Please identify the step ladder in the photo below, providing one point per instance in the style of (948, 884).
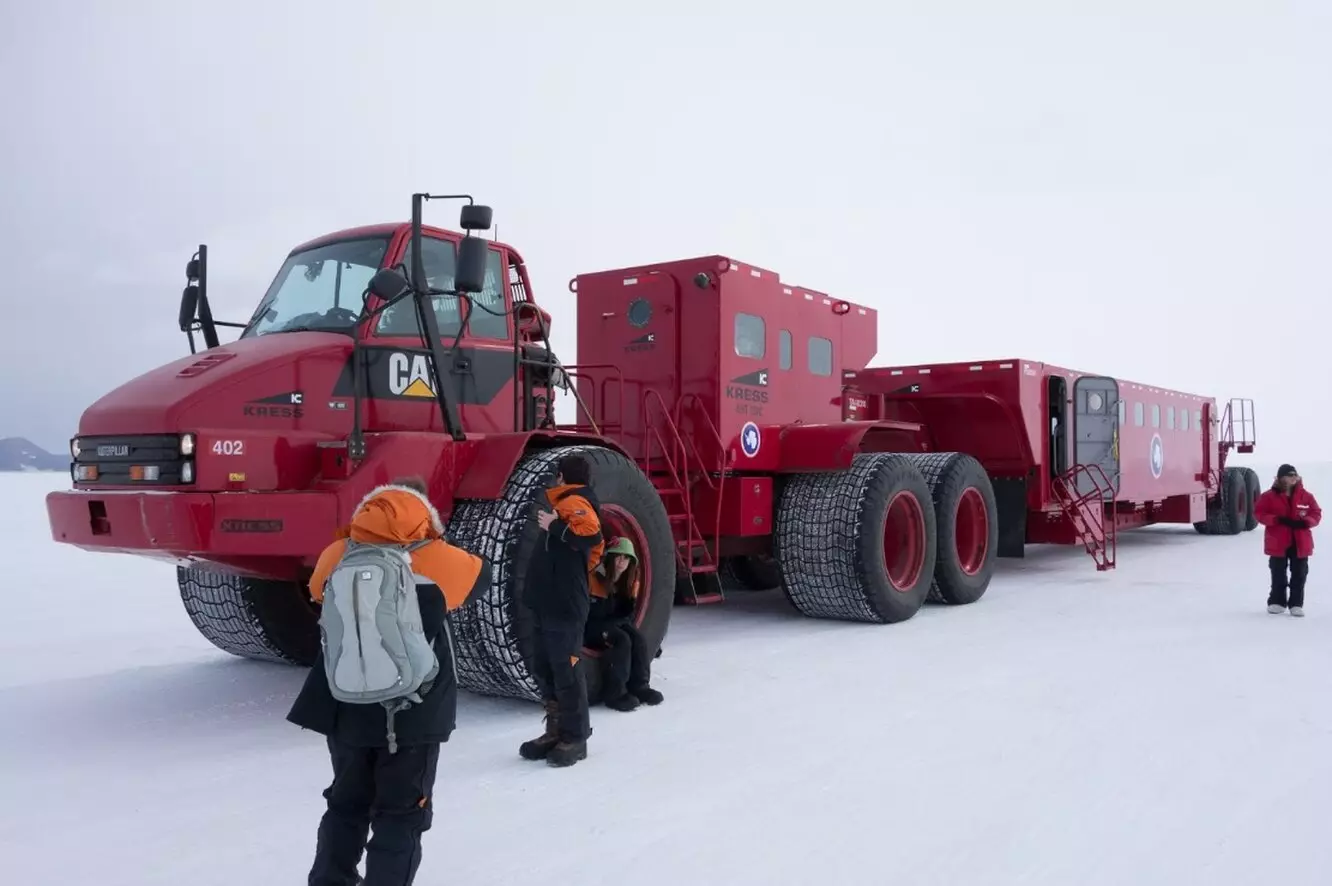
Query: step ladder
(698, 581)
(1086, 511)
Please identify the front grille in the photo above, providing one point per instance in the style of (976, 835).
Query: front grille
(116, 456)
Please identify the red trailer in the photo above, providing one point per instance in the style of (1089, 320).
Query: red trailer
(735, 432)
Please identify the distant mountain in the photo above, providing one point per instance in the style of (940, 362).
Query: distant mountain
(17, 454)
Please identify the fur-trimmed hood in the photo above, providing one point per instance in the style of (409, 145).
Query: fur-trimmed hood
(395, 514)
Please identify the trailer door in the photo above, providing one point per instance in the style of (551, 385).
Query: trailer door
(1096, 428)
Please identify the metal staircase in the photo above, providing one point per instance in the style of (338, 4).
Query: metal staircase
(1086, 511)
(678, 471)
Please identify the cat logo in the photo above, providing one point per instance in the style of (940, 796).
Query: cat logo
(409, 375)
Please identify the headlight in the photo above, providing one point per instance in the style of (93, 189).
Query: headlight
(74, 448)
(187, 472)
(187, 444)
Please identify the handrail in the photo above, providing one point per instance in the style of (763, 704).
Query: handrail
(1065, 486)
(727, 455)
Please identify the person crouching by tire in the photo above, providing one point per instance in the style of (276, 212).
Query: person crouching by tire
(626, 662)
(1289, 512)
(556, 593)
(375, 784)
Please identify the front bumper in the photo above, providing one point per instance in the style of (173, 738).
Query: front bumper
(221, 526)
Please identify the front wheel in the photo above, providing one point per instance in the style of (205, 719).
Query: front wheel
(493, 630)
(253, 618)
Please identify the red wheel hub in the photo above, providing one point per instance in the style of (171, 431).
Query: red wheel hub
(971, 531)
(904, 541)
(619, 522)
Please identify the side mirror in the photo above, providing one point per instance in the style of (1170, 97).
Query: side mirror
(192, 270)
(189, 306)
(387, 283)
(475, 217)
(473, 252)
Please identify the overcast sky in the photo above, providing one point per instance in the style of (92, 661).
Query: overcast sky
(1141, 189)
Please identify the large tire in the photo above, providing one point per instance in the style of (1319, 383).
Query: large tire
(967, 517)
(493, 631)
(1254, 488)
(858, 545)
(750, 572)
(1234, 501)
(252, 617)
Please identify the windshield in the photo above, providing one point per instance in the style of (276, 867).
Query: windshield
(319, 288)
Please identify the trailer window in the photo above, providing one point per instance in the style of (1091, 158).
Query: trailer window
(784, 349)
(1156, 415)
(1137, 414)
(1170, 418)
(318, 288)
(750, 336)
(1197, 419)
(1123, 412)
(820, 356)
(1183, 419)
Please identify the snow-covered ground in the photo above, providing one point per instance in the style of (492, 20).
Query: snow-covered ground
(1149, 725)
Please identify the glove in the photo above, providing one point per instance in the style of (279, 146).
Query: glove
(1293, 523)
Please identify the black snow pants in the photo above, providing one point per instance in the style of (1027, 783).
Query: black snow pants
(1299, 571)
(558, 644)
(626, 663)
(392, 792)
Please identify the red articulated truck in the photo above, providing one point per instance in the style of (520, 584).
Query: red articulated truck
(735, 432)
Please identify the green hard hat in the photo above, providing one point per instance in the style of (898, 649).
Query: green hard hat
(621, 545)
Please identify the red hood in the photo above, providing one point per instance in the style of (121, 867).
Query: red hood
(214, 388)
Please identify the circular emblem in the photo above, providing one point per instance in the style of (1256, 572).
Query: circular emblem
(1158, 456)
(750, 441)
(639, 313)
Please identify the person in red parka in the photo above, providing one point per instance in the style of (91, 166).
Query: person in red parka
(1289, 512)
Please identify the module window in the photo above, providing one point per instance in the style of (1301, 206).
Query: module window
(1170, 418)
(820, 356)
(1123, 412)
(1156, 415)
(1137, 414)
(750, 336)
(1183, 419)
(784, 349)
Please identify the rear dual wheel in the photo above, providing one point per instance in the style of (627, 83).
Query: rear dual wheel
(874, 542)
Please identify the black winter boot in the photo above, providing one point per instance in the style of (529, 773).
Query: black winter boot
(567, 753)
(539, 748)
(624, 704)
(647, 695)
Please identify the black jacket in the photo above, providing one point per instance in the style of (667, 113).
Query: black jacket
(366, 725)
(556, 583)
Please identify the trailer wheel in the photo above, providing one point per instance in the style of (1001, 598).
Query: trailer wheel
(493, 631)
(750, 572)
(858, 545)
(1234, 501)
(967, 517)
(251, 617)
(1253, 486)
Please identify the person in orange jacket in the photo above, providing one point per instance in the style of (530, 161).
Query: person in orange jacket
(1289, 512)
(626, 662)
(371, 786)
(555, 591)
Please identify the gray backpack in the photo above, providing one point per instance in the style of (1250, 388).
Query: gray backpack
(375, 647)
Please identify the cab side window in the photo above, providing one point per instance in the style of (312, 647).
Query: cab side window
(441, 263)
(488, 317)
